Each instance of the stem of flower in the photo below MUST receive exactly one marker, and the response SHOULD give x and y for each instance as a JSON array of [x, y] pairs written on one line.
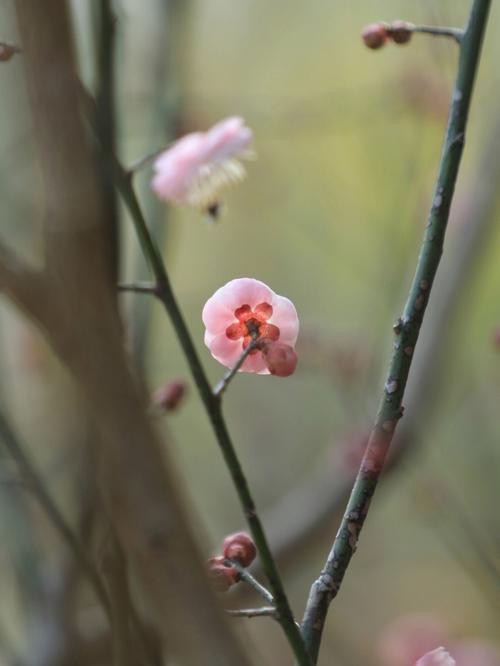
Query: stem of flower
[[326, 587], [146, 159], [247, 577], [213, 408], [224, 382], [439, 31]]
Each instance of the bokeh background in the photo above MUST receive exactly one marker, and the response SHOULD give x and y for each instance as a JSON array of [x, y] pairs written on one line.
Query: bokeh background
[[331, 215]]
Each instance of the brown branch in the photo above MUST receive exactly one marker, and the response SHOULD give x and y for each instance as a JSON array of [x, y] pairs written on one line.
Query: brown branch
[[135, 478]]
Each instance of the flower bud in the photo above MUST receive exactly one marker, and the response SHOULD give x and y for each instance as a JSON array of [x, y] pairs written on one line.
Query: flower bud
[[374, 35], [170, 396], [239, 547], [280, 359], [400, 32], [222, 577], [7, 51]]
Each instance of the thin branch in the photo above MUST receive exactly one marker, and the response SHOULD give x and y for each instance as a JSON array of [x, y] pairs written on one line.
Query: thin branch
[[326, 587], [225, 381], [439, 31], [214, 411], [165, 92], [137, 287], [147, 159], [265, 611], [106, 124], [247, 577], [310, 507], [16, 450]]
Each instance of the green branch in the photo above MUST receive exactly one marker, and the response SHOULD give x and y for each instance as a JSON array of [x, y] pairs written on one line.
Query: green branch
[[326, 587], [213, 407]]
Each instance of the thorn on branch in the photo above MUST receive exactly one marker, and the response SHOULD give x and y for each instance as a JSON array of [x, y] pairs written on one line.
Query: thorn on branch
[[265, 611]]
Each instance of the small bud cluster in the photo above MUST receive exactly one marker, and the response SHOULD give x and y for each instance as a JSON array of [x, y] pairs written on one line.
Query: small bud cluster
[[375, 35], [238, 547]]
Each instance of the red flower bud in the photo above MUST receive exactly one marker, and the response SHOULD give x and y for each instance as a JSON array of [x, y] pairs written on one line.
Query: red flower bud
[[222, 577], [239, 547], [400, 32], [169, 396], [281, 359], [7, 51], [374, 35]]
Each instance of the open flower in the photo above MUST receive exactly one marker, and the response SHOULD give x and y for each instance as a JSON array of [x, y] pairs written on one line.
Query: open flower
[[246, 309], [199, 165]]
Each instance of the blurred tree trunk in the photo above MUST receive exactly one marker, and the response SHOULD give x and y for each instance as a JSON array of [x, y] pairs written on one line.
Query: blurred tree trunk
[[73, 300]]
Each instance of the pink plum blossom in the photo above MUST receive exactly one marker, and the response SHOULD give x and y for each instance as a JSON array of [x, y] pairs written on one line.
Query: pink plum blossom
[[476, 652], [438, 657], [199, 165], [246, 308], [408, 637]]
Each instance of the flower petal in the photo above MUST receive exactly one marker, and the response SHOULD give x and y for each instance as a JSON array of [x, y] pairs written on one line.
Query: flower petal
[[286, 319], [229, 137], [218, 312], [176, 168], [438, 657], [223, 349], [217, 315], [255, 363]]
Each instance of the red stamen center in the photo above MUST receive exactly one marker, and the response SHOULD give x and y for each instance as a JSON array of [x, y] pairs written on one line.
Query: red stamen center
[[252, 324]]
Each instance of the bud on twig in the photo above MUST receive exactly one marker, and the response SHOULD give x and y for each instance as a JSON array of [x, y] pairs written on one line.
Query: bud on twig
[[222, 577], [400, 32], [239, 547], [7, 51], [281, 359], [170, 396], [374, 35]]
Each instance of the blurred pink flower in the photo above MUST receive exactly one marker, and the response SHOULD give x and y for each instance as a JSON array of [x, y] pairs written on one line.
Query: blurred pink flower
[[476, 652], [199, 165], [408, 637], [240, 308], [438, 657]]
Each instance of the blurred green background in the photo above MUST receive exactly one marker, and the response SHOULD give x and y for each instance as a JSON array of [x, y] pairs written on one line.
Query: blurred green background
[[331, 215]]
